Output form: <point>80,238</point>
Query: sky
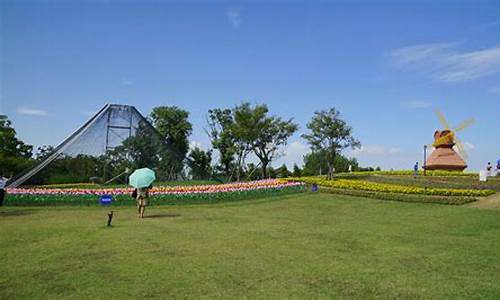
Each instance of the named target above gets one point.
<point>385,65</point>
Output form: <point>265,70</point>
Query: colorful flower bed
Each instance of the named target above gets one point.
<point>159,195</point>
<point>390,188</point>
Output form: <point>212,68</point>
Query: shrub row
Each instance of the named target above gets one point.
<point>159,199</point>
<point>390,188</point>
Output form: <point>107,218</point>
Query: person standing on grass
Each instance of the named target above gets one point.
<point>3,183</point>
<point>415,170</point>
<point>142,200</point>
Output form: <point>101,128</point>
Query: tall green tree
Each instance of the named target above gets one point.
<point>261,133</point>
<point>244,131</point>
<point>220,124</point>
<point>199,163</point>
<point>330,134</point>
<point>173,125</point>
<point>14,153</point>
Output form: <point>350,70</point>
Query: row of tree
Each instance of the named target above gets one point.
<point>235,134</point>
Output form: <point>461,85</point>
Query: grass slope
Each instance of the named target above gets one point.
<point>306,245</point>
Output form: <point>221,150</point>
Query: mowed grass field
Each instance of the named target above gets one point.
<point>302,246</point>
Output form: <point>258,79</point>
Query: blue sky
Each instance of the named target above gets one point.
<point>384,65</point>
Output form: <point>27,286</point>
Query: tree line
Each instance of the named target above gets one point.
<point>235,134</point>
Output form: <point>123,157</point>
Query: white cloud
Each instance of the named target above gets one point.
<point>31,111</point>
<point>414,54</point>
<point>444,63</point>
<point>417,104</point>
<point>195,144</point>
<point>234,18</point>
<point>394,150</point>
<point>375,150</point>
<point>495,90</point>
<point>125,81</point>
<point>469,146</point>
<point>293,154</point>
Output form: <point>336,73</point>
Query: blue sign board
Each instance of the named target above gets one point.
<point>314,187</point>
<point>106,199</point>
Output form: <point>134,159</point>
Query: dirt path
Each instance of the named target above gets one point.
<point>491,202</point>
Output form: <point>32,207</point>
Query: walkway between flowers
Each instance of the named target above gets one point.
<point>491,202</point>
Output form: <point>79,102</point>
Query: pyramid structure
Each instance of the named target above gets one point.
<point>103,132</point>
<point>444,156</point>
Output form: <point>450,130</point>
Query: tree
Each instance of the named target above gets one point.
<point>220,122</point>
<point>44,152</point>
<point>315,163</point>
<point>14,154</point>
<point>260,133</point>
<point>199,162</point>
<point>173,125</point>
<point>283,171</point>
<point>244,131</point>
<point>252,172</point>
<point>297,172</point>
<point>331,134</point>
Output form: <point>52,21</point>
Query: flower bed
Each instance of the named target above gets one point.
<point>391,188</point>
<point>437,173</point>
<point>450,200</point>
<point>159,195</point>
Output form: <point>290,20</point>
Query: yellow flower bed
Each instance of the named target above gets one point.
<point>420,172</point>
<point>390,188</point>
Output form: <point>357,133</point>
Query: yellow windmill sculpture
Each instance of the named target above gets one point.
<point>444,156</point>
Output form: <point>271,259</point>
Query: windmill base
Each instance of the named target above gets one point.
<point>445,159</point>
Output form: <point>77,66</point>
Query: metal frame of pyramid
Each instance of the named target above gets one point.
<point>120,122</point>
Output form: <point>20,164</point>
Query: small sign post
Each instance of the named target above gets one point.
<point>106,199</point>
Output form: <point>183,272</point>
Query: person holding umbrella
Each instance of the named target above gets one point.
<point>142,180</point>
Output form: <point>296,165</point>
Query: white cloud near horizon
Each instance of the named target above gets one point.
<point>375,150</point>
<point>443,62</point>
<point>31,111</point>
<point>234,18</point>
<point>292,153</point>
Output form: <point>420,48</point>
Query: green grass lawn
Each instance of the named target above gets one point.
<point>302,246</point>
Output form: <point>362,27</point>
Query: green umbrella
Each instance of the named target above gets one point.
<point>142,178</point>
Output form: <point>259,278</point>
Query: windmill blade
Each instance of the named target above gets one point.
<point>441,118</point>
<point>461,149</point>
<point>464,124</point>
